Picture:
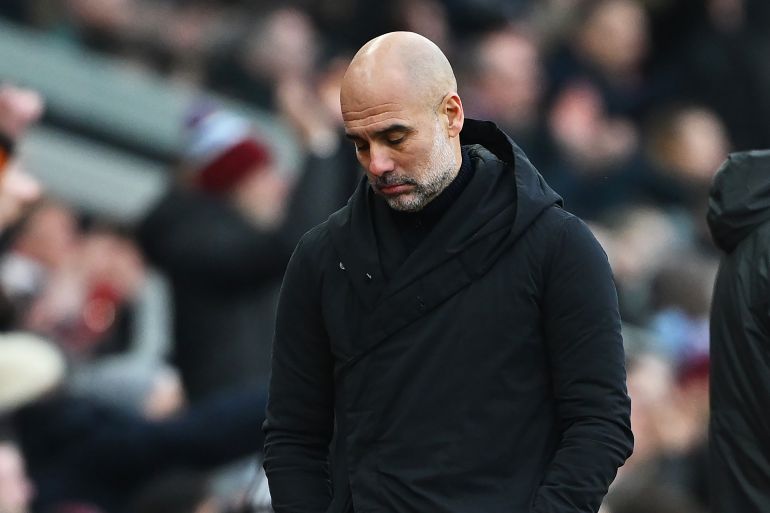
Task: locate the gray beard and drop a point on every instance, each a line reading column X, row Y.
column 442, row 170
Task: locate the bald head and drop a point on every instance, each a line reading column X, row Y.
column 401, row 110
column 403, row 65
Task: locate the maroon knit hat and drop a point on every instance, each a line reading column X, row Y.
column 222, row 150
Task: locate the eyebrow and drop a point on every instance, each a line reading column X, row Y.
column 385, row 131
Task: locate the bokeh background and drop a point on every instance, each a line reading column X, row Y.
column 159, row 291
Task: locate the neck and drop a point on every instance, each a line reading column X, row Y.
column 414, row 226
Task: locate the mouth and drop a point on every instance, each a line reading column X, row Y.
column 392, row 190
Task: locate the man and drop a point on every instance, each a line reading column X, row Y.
column 215, row 236
column 739, row 431
column 452, row 324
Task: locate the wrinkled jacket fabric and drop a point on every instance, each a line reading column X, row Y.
column 739, row 219
column 484, row 373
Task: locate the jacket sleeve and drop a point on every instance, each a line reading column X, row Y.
column 585, row 347
column 219, row 430
column 299, row 424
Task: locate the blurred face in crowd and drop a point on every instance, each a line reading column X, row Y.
column 699, row 145
column 510, row 76
column 615, row 37
column 49, row 235
column 284, row 47
column 15, row 489
column 401, row 111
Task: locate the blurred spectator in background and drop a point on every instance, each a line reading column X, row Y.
column 81, row 288
column 427, row 17
column 342, row 21
column 506, row 82
column 19, row 108
column 596, row 164
column 16, row 490
column 638, row 241
column 37, row 248
column 85, row 454
column 330, row 172
column 225, row 234
column 608, row 48
column 669, row 418
column 723, row 64
column 685, row 146
column 680, row 299
column 29, row 368
column 739, row 218
column 280, row 50
column 216, row 236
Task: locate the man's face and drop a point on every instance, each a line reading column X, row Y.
column 403, row 146
column 15, row 488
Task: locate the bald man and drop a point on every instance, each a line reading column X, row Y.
column 449, row 341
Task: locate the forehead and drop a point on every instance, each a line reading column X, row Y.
column 377, row 112
column 372, row 97
column 376, row 117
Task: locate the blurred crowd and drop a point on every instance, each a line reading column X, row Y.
column 627, row 108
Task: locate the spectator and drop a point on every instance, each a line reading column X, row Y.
column 596, row 163
column 217, row 237
column 506, row 80
column 685, row 147
column 80, row 452
column 19, row 108
column 609, row 48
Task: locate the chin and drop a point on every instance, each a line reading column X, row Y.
column 406, row 203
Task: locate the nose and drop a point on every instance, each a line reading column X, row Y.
column 380, row 162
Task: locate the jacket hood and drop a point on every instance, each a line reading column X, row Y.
column 504, row 196
column 739, row 199
column 533, row 195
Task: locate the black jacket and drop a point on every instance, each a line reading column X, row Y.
column 739, row 218
column 485, row 375
column 225, row 274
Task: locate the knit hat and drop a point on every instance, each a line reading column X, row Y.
column 29, row 367
column 221, row 149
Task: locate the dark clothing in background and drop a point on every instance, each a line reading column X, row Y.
column 730, row 73
column 739, row 218
column 81, row 452
column 484, row 371
column 225, row 272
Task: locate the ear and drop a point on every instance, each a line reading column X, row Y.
column 453, row 109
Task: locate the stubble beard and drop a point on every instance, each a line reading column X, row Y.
column 437, row 174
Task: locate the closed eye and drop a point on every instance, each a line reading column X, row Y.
column 358, row 143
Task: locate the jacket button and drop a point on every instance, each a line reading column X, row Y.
column 420, row 304
column 369, row 277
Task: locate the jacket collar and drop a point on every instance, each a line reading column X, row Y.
column 504, row 196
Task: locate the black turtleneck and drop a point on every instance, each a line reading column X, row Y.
column 414, row 226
